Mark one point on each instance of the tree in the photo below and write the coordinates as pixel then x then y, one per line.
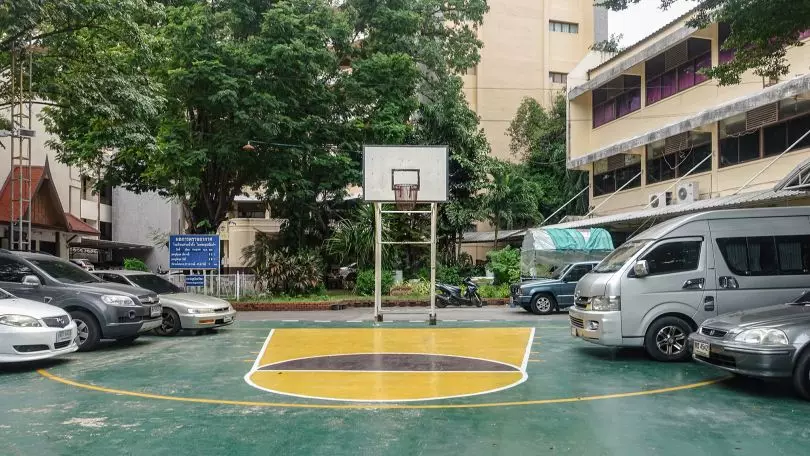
pixel 761 32
pixel 511 200
pixel 538 139
pixel 612 44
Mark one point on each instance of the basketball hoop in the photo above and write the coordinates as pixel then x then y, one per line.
pixel 405 196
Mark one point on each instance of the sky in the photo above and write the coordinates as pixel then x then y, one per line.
pixel 642 19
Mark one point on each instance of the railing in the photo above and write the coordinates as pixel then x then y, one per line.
pixel 231 286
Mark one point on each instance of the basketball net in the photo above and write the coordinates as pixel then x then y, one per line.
pixel 405 196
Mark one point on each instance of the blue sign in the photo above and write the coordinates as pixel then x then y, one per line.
pixel 195 280
pixel 194 251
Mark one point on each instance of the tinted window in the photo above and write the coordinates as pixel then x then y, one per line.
pixel 616 259
pixel 766 255
pixel 13 270
pixel 577 272
pixel 154 283
pixel 64 271
pixel 115 278
pixel 674 257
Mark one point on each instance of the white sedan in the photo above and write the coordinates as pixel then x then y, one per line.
pixel 31 331
pixel 180 310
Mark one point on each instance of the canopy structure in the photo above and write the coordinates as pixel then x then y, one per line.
pixel 545 248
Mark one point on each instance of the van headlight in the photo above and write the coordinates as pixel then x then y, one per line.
pixel 762 337
pixel 606 303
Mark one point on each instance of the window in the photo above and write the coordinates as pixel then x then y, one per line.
pixel 726 55
pixel 766 255
pixel 577 272
pixel 13 271
pixel 105 228
pixel 738 145
pixel 613 173
pixel 616 99
pixel 664 164
pixel 154 283
pixel 65 272
pixel 674 257
pixel 677 69
pixel 564 27
pixel 114 278
pixel 558 78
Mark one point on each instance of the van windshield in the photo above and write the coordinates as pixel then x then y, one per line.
pixel 617 258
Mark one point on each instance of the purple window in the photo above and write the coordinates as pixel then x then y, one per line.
pixel 701 63
pixel 668 87
pixel 726 55
pixel 686 76
pixel 653 90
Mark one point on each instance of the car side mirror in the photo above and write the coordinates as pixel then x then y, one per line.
pixel 31 281
pixel 641 268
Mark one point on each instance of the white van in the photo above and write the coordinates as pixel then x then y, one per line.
pixel 658 287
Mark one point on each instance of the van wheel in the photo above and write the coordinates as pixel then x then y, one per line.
pixel 666 339
pixel 543 304
pixel 801 375
pixel 88 331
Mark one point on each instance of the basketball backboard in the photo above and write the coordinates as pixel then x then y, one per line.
pixel 387 168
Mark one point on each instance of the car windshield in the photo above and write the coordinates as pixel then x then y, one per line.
pixel 559 272
pixel 65 271
pixel 617 258
pixel 154 283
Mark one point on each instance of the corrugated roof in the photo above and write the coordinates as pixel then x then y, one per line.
pixel 489 236
pixel 740 200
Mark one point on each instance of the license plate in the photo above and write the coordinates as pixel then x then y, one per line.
pixel 63 335
pixel 156 311
pixel 227 319
pixel 701 349
pixel 574 331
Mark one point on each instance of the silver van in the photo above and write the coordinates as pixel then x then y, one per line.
pixel 658 287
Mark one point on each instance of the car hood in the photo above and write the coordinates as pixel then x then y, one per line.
pixel 539 282
pixel 197 301
pixel 30 308
pixel 593 284
pixel 778 316
pixel 107 287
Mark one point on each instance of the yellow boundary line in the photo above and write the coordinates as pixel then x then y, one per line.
pixel 102 389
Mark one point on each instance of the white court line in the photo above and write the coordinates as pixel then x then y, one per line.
pixel 452 321
pixel 261 352
pixel 481 321
pixel 290 321
pixel 322 321
pixel 354 321
pixel 416 321
pixel 528 352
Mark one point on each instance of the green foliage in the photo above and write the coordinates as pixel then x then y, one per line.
pixel 135 264
pixel 538 139
pixel 761 31
pixel 449 275
pixel 365 282
pixel 511 200
pixel 505 265
pixel 612 44
pixel 494 291
pixel 282 271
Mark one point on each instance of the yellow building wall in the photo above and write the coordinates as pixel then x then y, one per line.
pixel 518 54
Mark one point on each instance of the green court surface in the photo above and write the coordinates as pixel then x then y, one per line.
pixel 189 395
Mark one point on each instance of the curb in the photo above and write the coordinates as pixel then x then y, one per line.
pixel 258 306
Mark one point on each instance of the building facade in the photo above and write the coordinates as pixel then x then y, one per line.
pixel 530 46
pixel 655 134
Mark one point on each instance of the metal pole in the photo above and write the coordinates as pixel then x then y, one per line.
pixel 432 317
pixel 11 244
pixel 564 205
pixel 772 162
pixel 377 262
pixel 237 285
pixel 614 193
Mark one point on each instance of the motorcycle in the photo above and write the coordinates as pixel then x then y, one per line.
pixel 451 295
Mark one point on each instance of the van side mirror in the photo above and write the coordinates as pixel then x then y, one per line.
pixel 31 281
pixel 641 268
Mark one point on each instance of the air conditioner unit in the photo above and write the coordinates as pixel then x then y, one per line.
pixel 660 199
pixel 688 192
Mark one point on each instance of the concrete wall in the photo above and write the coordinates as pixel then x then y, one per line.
pixel 137 218
pixel 519 52
pixel 238 233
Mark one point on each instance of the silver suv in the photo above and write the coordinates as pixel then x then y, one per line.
pixel 101 310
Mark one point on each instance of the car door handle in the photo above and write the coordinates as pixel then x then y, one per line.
pixel 708 303
pixel 694 284
pixel 728 282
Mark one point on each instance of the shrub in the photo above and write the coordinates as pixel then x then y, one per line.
pixel 494 291
pixel 365 282
pixel 134 264
pixel 283 272
pixel 505 265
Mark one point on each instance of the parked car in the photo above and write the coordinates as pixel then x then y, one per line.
pixel 101 310
pixel 657 288
pixel 83 263
pixel 543 296
pixel 181 310
pixel 771 342
pixel 31 331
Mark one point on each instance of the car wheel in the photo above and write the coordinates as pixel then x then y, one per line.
pixel 543 304
pixel 170 324
pixel 88 331
pixel 801 375
pixel 666 339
